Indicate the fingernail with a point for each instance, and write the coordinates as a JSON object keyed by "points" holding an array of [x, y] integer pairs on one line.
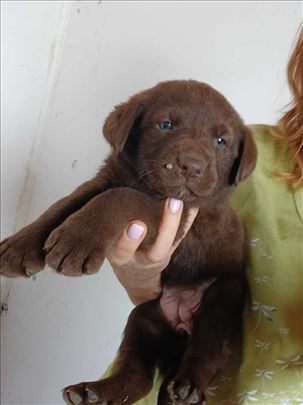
{"points": [[135, 231], [174, 205]]}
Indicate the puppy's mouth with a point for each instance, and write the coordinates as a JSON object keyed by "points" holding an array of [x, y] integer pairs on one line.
{"points": [[185, 194], [185, 190], [190, 192]]}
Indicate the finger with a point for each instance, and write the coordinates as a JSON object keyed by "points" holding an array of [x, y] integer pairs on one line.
{"points": [[167, 230], [123, 250], [192, 213]]}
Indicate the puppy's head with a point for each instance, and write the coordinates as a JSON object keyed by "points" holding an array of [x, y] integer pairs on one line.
{"points": [[183, 139]]}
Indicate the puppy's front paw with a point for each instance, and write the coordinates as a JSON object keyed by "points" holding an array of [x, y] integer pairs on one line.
{"points": [[22, 255], [118, 390], [184, 392], [73, 250]]}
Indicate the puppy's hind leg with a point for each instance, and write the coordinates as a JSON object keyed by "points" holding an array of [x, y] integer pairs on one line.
{"points": [[148, 338]]}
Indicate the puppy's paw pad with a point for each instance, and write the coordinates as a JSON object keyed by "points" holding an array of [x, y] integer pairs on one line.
{"points": [[75, 394], [92, 397], [184, 393], [73, 398]]}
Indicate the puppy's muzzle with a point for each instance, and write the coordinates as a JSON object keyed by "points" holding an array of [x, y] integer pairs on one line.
{"points": [[190, 165]]}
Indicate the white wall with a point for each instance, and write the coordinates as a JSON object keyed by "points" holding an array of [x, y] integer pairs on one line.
{"points": [[71, 62], [28, 32]]}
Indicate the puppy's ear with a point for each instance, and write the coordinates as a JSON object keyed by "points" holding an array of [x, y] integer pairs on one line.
{"points": [[246, 160], [119, 123]]}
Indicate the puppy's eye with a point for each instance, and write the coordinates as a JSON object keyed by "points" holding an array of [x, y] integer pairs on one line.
{"points": [[166, 125], [220, 142]]}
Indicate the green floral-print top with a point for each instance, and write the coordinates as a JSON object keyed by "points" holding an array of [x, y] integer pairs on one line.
{"points": [[271, 369]]}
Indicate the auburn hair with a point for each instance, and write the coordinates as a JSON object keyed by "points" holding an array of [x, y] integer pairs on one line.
{"points": [[290, 125]]}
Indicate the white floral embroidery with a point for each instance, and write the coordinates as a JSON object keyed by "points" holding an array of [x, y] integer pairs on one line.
{"points": [[262, 345], [264, 374], [248, 396], [267, 255], [264, 310], [291, 362], [210, 391], [268, 395], [253, 242], [261, 279], [283, 331]]}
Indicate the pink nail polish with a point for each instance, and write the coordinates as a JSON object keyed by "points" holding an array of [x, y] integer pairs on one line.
{"points": [[135, 231], [174, 205]]}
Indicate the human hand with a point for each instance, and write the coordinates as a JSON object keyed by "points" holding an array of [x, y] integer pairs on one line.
{"points": [[140, 272]]}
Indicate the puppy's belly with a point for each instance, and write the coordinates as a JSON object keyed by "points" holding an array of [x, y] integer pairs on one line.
{"points": [[179, 304]]}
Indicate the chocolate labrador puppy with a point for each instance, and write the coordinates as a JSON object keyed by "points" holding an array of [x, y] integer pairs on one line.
{"points": [[180, 139]]}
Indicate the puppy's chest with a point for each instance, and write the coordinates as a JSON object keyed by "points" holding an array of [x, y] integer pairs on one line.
{"points": [[212, 246], [192, 261]]}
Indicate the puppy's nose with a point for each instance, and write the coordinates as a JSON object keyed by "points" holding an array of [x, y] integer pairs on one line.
{"points": [[190, 166]]}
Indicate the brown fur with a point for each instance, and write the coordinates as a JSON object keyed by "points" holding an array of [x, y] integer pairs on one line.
{"points": [[147, 165]]}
